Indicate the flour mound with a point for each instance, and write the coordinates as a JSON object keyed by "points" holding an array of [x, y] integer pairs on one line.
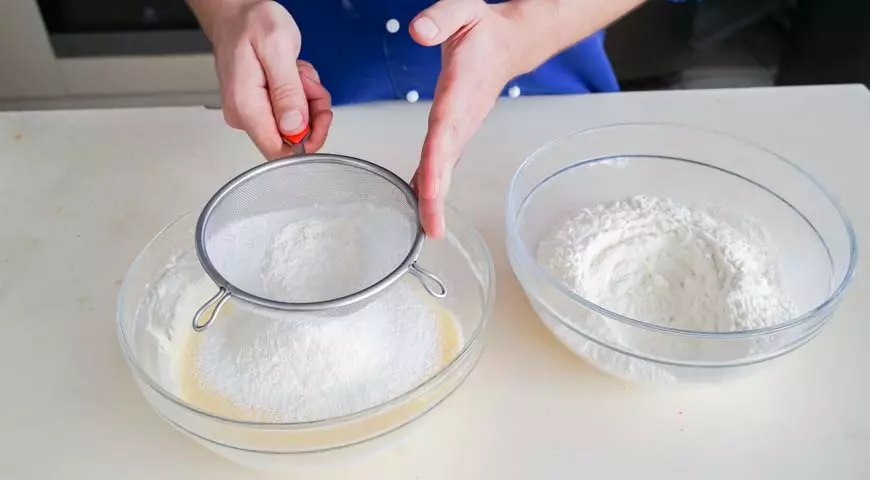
{"points": [[663, 263]]}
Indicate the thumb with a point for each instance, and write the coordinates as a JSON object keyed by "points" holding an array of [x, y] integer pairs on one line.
{"points": [[289, 103], [445, 18]]}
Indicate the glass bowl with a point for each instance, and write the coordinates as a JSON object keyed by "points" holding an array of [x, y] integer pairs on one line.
{"points": [[145, 333], [695, 167]]}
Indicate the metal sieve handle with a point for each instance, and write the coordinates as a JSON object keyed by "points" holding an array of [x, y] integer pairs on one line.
{"points": [[214, 303], [430, 281]]}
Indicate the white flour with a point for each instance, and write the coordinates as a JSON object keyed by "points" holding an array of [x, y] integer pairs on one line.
{"points": [[666, 264], [294, 367], [306, 367], [331, 252], [312, 253]]}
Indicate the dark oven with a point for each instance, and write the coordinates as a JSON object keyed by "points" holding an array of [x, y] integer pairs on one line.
{"points": [[121, 27]]}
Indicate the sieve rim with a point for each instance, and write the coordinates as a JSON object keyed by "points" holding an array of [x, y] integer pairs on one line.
{"points": [[323, 158]]}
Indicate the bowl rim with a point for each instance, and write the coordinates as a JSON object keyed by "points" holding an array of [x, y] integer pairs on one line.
{"points": [[515, 244], [458, 360]]}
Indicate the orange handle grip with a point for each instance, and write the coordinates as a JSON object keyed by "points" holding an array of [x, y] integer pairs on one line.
{"points": [[297, 138]]}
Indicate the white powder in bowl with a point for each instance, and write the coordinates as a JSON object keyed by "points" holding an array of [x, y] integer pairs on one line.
{"points": [[258, 364], [313, 253], [326, 253], [304, 367], [660, 262]]}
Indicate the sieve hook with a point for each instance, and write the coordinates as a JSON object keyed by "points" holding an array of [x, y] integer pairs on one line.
{"points": [[214, 304], [430, 281]]}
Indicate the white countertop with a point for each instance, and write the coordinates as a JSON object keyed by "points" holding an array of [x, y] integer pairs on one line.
{"points": [[81, 192]]}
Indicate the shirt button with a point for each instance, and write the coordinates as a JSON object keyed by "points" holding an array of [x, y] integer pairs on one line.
{"points": [[412, 96], [393, 25], [514, 92]]}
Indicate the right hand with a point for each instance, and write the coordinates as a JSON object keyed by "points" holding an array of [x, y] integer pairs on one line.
{"points": [[265, 89]]}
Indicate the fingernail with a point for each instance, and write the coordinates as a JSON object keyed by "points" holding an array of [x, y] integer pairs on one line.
{"points": [[291, 122], [443, 227], [426, 28]]}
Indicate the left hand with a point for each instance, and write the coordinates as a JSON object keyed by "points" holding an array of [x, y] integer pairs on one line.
{"points": [[481, 50]]}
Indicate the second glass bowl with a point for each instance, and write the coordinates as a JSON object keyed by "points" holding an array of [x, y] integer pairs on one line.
{"points": [[695, 167]]}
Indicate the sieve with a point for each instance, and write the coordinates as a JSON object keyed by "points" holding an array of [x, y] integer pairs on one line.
{"points": [[293, 184]]}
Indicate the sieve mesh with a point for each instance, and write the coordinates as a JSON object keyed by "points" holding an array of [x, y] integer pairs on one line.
{"points": [[313, 184]]}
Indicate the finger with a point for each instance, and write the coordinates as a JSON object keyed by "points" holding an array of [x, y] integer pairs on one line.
{"points": [[458, 109], [247, 105], [460, 105], [231, 117], [258, 122], [307, 69], [432, 210], [413, 182], [289, 104], [319, 106], [445, 18]]}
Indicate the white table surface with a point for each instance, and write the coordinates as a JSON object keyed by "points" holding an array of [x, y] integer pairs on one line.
{"points": [[81, 192]]}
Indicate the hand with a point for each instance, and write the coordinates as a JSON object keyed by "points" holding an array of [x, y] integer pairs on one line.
{"points": [[263, 90], [482, 48], [481, 51]]}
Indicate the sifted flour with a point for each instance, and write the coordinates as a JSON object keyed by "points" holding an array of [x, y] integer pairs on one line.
{"points": [[296, 367], [304, 367], [331, 252], [664, 263], [312, 253]]}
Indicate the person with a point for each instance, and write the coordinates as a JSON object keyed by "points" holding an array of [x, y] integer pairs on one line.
{"points": [[357, 51]]}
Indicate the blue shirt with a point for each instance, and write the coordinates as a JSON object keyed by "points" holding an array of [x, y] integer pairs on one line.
{"points": [[360, 60]]}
